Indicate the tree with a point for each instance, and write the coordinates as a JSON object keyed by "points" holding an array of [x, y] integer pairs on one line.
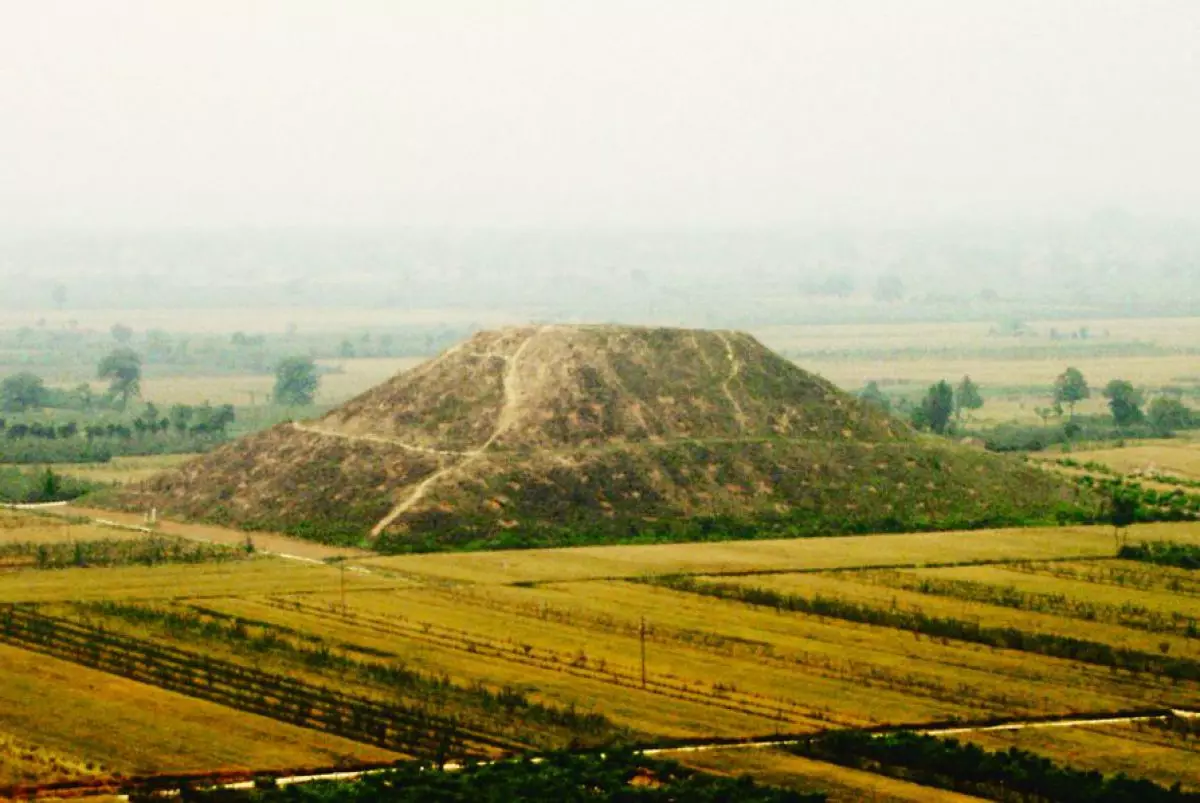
{"points": [[1122, 510], [123, 370], [1044, 413], [296, 381], [873, 395], [180, 415], [936, 408], [121, 333], [59, 295], [84, 396], [1167, 414], [1070, 388], [1125, 401], [966, 397], [21, 392], [889, 288]]}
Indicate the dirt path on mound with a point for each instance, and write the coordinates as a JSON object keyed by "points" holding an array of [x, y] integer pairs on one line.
{"points": [[504, 421], [735, 368], [331, 433]]}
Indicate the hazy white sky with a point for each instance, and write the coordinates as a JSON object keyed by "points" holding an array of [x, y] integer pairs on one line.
{"points": [[596, 113]]}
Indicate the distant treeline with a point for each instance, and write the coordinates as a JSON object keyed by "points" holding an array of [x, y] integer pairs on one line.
{"points": [[76, 351], [1035, 437], [185, 428]]}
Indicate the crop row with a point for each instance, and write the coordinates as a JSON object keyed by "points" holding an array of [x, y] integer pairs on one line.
{"points": [[577, 664], [404, 729], [816, 663], [1052, 645], [149, 551], [479, 708], [1114, 574], [1128, 614], [1163, 553]]}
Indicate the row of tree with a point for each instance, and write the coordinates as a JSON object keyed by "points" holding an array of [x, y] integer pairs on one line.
{"points": [[296, 382], [943, 406], [182, 419], [1166, 412], [122, 368]]}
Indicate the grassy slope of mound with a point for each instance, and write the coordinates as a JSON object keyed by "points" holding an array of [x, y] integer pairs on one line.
{"points": [[565, 435], [696, 491]]}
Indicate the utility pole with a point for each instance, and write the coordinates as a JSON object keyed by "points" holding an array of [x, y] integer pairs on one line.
{"points": [[342, 566], [642, 632]]}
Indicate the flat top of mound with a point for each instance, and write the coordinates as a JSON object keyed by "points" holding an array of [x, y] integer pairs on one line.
{"points": [[558, 386]]}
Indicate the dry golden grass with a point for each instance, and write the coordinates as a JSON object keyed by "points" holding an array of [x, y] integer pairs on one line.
{"points": [[715, 667], [843, 785], [121, 470], [858, 588], [259, 576], [23, 762], [1159, 598], [777, 555], [130, 727], [263, 541], [1144, 371], [18, 526], [1138, 750], [1180, 458], [578, 643]]}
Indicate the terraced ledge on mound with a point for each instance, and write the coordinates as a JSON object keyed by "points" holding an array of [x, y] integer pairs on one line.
{"points": [[543, 436]]}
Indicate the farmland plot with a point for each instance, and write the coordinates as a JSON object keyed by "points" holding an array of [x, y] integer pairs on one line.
{"points": [[485, 654]]}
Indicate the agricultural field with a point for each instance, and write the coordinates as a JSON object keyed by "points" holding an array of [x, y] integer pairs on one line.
{"points": [[489, 654], [220, 650], [27, 527], [1175, 458], [1016, 372], [121, 470], [341, 380], [1141, 749]]}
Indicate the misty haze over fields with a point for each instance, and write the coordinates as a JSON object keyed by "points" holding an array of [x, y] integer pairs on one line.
{"points": [[690, 163]]}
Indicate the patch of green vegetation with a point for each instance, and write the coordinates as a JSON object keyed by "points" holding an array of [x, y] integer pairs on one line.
{"points": [[1163, 553], [33, 486], [150, 551], [595, 778], [1014, 774]]}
